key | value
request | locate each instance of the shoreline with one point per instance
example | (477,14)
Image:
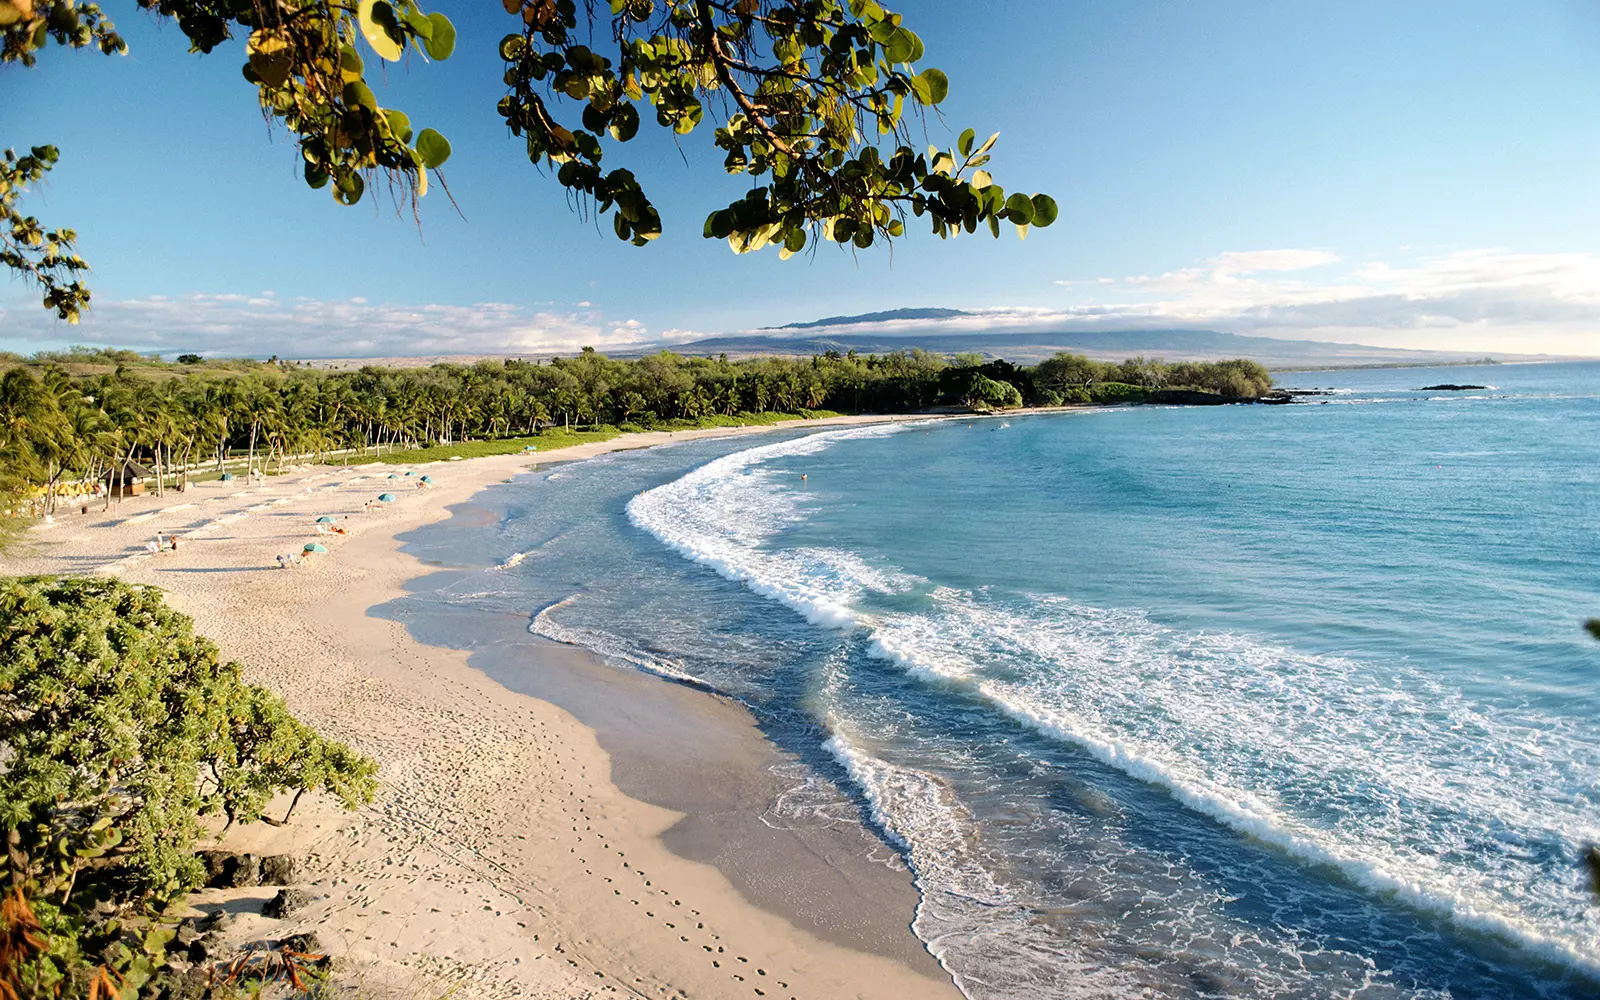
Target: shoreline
(456,877)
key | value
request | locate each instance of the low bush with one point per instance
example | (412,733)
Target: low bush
(120,728)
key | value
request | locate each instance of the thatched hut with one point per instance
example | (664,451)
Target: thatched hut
(126,480)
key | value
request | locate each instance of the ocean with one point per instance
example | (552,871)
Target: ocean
(1243,701)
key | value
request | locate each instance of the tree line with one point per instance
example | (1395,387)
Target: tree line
(58,428)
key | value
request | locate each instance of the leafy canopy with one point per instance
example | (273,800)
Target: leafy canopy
(122,728)
(811,99)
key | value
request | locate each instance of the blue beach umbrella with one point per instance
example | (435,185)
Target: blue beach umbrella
(315,547)
(386,497)
(410,473)
(227,477)
(325,519)
(392,476)
(427,479)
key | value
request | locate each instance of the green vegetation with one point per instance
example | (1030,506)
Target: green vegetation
(813,99)
(121,729)
(65,423)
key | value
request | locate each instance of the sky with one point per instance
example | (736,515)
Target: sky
(1421,174)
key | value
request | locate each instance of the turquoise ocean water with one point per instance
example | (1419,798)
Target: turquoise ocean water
(1235,701)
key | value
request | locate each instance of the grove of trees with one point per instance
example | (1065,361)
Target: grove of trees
(57,428)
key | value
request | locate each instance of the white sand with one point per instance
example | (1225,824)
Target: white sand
(498,860)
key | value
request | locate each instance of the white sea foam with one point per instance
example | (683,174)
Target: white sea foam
(982,932)
(1404,785)
(611,646)
(718,515)
(1398,782)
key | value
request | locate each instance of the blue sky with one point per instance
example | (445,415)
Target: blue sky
(1418,174)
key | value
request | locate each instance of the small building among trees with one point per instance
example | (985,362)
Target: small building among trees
(126,480)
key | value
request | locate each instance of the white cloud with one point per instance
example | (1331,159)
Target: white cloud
(1489,301)
(234,325)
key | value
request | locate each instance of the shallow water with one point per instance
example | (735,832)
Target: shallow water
(1233,701)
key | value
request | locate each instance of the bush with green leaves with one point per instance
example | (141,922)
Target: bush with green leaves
(120,728)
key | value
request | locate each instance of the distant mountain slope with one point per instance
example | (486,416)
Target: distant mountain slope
(877,317)
(1174,345)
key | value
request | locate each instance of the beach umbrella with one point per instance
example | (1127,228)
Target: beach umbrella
(227,477)
(325,519)
(392,476)
(386,497)
(410,473)
(315,547)
(427,479)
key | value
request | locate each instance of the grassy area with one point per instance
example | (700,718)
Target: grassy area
(552,439)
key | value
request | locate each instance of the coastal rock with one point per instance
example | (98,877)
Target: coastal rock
(179,984)
(277,869)
(286,902)
(1449,387)
(230,869)
(307,944)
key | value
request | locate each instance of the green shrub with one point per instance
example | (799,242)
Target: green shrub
(119,729)
(1117,392)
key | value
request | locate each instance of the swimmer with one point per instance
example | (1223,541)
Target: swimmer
(802,476)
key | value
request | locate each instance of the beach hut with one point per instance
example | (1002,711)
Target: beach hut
(314,547)
(325,519)
(126,480)
(386,497)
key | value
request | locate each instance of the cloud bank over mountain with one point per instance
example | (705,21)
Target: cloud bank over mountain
(1479,300)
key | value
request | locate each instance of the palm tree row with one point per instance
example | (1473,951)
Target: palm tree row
(57,429)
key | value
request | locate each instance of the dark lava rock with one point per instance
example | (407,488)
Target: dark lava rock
(176,984)
(305,943)
(287,901)
(277,869)
(1449,387)
(207,947)
(230,869)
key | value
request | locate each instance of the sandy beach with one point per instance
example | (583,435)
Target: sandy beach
(516,848)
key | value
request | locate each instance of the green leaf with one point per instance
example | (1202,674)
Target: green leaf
(1020,208)
(936,83)
(513,48)
(377,19)
(965,142)
(399,124)
(359,94)
(1044,210)
(435,148)
(442,43)
(347,190)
